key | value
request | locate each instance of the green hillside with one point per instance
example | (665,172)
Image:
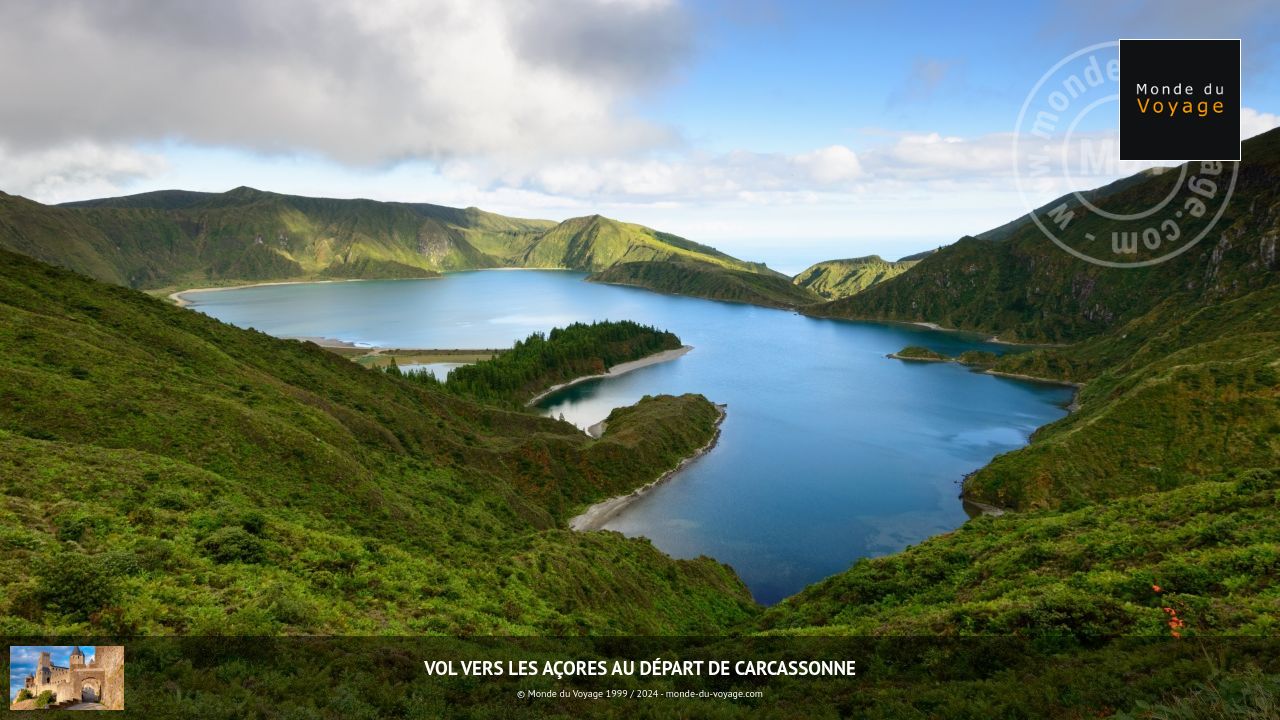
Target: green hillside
(706,280)
(178,238)
(1171,398)
(1025,288)
(166,473)
(833,279)
(595,243)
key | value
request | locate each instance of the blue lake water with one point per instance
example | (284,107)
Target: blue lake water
(830,451)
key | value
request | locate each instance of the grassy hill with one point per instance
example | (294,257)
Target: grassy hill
(1025,288)
(595,243)
(711,281)
(1172,397)
(833,279)
(166,473)
(179,238)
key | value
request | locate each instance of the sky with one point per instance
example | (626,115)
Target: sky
(787,132)
(24,658)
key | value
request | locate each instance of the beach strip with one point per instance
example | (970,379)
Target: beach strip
(619,369)
(595,517)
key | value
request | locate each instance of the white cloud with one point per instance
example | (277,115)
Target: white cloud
(932,156)
(829,165)
(364,83)
(692,177)
(1253,122)
(75,170)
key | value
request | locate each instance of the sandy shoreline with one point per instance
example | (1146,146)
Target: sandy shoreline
(594,517)
(989,338)
(1033,378)
(180,301)
(177,297)
(1073,406)
(616,370)
(327,342)
(983,508)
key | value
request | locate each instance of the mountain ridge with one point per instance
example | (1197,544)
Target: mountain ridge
(1013,282)
(833,279)
(179,238)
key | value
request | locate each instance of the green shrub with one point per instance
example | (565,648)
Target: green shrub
(74,584)
(916,352)
(978,358)
(233,544)
(79,526)
(153,554)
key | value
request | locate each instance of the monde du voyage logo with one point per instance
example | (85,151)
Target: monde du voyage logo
(1163,179)
(1180,100)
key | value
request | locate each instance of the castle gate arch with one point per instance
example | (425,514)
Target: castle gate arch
(90,690)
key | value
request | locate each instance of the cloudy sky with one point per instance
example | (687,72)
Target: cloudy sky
(781,131)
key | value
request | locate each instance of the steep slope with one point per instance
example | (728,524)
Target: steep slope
(1171,398)
(1025,288)
(166,473)
(833,279)
(1007,230)
(126,246)
(918,256)
(595,243)
(705,280)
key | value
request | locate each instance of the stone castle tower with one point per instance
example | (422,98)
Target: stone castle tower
(100,680)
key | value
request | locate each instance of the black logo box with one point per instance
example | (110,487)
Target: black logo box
(1185,67)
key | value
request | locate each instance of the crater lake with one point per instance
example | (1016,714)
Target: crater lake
(829,452)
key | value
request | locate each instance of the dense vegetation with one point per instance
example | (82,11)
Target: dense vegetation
(542,360)
(916,352)
(834,279)
(176,238)
(596,243)
(704,280)
(166,473)
(1170,399)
